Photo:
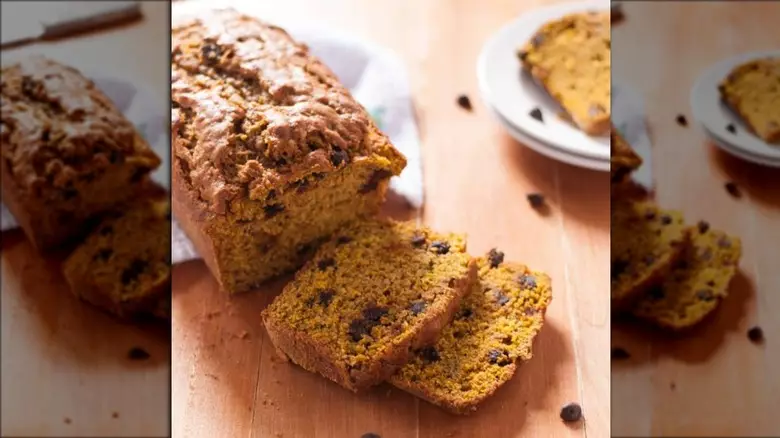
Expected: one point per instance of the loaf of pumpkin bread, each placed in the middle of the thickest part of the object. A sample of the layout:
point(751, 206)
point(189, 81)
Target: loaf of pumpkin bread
point(68, 154)
point(271, 154)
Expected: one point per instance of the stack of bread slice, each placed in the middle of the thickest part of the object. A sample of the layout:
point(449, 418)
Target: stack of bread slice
point(664, 270)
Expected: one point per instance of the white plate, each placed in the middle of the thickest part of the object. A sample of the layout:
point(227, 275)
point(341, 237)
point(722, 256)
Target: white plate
point(739, 152)
point(548, 150)
point(714, 115)
point(513, 94)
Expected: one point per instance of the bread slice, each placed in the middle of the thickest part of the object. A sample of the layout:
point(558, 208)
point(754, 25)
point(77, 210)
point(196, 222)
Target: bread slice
point(752, 90)
point(696, 285)
point(377, 291)
point(493, 330)
point(124, 266)
point(570, 58)
point(646, 242)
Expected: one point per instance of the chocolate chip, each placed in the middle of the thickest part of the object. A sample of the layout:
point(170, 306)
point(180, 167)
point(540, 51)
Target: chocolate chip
point(464, 102)
point(522, 55)
point(711, 283)
point(731, 128)
point(571, 412)
point(537, 40)
point(656, 293)
point(535, 199)
point(325, 297)
point(672, 386)
point(343, 240)
point(429, 354)
point(495, 257)
point(301, 185)
point(440, 247)
point(309, 302)
point(362, 327)
point(326, 263)
point(666, 219)
point(536, 114)
point(616, 13)
point(498, 357)
point(618, 267)
point(210, 52)
point(418, 307)
point(681, 120)
point(69, 193)
point(526, 281)
point(650, 215)
point(501, 297)
point(338, 156)
point(465, 314)
point(506, 340)
point(756, 335)
point(138, 353)
point(131, 273)
point(705, 295)
point(733, 189)
point(418, 240)
point(703, 227)
point(619, 353)
point(273, 210)
point(374, 314)
point(370, 435)
point(374, 180)
point(103, 254)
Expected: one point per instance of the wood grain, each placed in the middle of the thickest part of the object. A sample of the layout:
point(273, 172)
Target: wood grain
point(65, 370)
point(712, 381)
point(226, 378)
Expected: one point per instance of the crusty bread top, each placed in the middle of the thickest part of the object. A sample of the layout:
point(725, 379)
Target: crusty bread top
point(253, 111)
point(57, 127)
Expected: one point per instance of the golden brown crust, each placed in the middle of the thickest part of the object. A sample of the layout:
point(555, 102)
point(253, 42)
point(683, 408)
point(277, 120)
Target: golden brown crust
point(624, 159)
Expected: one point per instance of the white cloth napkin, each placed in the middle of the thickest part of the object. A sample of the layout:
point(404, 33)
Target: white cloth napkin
point(628, 116)
point(376, 77)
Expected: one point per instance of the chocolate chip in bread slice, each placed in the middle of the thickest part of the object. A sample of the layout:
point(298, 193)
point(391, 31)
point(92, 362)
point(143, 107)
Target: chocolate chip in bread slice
point(374, 293)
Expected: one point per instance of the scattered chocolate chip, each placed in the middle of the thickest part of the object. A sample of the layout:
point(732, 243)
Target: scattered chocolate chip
point(526, 281)
point(418, 240)
point(375, 313)
point(115, 415)
point(703, 226)
point(705, 295)
point(495, 257)
point(374, 180)
point(465, 314)
point(451, 282)
point(571, 412)
point(343, 240)
point(464, 102)
point(618, 267)
point(666, 219)
point(711, 283)
point(370, 435)
point(681, 120)
point(672, 386)
point(326, 263)
point(536, 114)
point(733, 189)
point(616, 13)
point(137, 353)
point(498, 357)
point(67, 420)
point(440, 247)
point(273, 210)
point(309, 302)
point(619, 353)
point(69, 193)
point(650, 215)
point(429, 354)
point(506, 340)
point(756, 335)
point(418, 307)
point(338, 156)
point(210, 52)
point(731, 128)
point(103, 254)
point(362, 327)
point(131, 273)
point(522, 55)
point(535, 199)
point(501, 297)
point(325, 297)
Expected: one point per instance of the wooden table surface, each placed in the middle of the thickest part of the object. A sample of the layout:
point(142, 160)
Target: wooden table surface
point(712, 382)
point(65, 370)
point(227, 380)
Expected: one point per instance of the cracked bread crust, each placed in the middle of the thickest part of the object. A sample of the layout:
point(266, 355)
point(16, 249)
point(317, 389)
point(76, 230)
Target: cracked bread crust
point(253, 111)
point(373, 294)
point(271, 154)
point(68, 154)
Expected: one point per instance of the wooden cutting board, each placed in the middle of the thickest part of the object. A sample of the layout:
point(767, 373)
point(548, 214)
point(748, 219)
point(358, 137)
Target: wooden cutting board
point(712, 381)
point(227, 380)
